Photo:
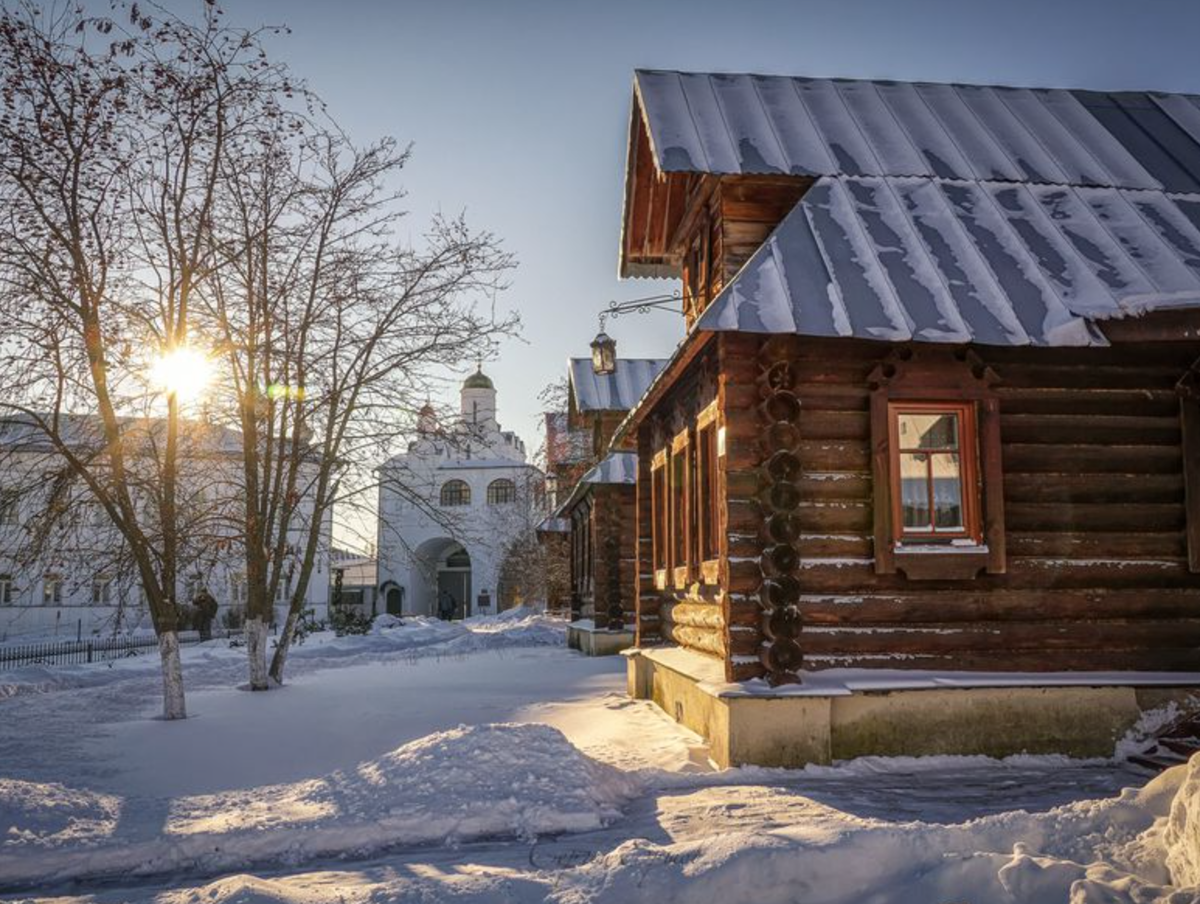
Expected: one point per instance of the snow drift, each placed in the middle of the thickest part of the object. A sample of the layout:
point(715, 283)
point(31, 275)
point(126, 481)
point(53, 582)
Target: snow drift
point(1182, 833)
point(471, 782)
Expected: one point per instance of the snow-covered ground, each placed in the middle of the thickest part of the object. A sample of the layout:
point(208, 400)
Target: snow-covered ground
point(482, 761)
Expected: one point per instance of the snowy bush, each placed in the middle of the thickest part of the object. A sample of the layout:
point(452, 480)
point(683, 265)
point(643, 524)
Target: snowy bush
point(1182, 836)
point(348, 621)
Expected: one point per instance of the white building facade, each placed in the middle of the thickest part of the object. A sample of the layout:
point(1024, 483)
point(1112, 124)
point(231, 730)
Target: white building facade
point(449, 509)
point(80, 584)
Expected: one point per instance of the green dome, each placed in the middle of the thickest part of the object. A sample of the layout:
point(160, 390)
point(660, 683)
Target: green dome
point(478, 380)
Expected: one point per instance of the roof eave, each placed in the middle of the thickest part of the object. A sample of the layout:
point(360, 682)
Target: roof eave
point(687, 350)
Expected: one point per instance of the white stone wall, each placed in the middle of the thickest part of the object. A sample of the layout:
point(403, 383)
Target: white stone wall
point(415, 529)
point(77, 563)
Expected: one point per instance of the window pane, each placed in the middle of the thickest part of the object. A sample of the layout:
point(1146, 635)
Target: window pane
point(914, 490)
point(678, 503)
point(928, 431)
point(947, 492)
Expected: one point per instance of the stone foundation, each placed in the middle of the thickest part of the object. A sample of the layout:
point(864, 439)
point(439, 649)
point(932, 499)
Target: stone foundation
point(592, 641)
point(829, 720)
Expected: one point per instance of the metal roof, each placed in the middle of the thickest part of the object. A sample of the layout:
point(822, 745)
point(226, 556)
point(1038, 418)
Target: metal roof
point(619, 391)
point(997, 263)
point(730, 124)
point(614, 468)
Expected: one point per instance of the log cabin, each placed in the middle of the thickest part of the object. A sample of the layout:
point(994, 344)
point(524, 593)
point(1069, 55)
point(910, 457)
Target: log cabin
point(924, 474)
point(599, 509)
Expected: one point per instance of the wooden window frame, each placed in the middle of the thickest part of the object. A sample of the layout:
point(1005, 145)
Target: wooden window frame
point(922, 377)
point(679, 510)
point(968, 455)
point(708, 543)
point(659, 521)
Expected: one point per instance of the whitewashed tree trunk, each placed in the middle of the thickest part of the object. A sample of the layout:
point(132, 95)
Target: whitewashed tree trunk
point(256, 649)
point(172, 671)
point(279, 659)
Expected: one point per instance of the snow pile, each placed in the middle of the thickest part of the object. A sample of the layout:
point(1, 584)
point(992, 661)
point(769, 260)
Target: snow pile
point(471, 782)
point(519, 626)
point(41, 815)
point(1182, 834)
point(1090, 852)
point(386, 622)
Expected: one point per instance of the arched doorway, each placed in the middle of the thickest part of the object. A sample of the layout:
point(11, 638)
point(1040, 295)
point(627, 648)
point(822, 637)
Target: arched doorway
point(394, 600)
point(454, 582)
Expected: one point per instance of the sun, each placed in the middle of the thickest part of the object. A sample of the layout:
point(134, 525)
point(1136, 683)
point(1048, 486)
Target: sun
point(182, 372)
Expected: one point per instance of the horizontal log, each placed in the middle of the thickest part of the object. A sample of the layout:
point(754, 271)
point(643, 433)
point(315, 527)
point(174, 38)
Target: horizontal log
point(835, 486)
point(835, 545)
point(843, 425)
point(742, 483)
point(1110, 402)
point(1167, 659)
point(850, 576)
point(739, 396)
point(835, 517)
point(744, 671)
point(1157, 354)
point(1033, 458)
point(916, 604)
point(1089, 429)
point(1077, 516)
point(1091, 376)
point(743, 517)
point(833, 396)
point(705, 640)
point(1089, 488)
point(742, 546)
point(1115, 544)
point(1016, 636)
point(834, 455)
point(697, 615)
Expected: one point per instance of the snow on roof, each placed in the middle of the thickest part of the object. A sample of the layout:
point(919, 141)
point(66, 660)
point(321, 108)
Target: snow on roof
point(553, 525)
point(730, 124)
point(23, 433)
point(614, 468)
point(618, 391)
point(995, 263)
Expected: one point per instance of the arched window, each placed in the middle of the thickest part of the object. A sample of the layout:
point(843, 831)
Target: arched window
point(456, 492)
point(501, 492)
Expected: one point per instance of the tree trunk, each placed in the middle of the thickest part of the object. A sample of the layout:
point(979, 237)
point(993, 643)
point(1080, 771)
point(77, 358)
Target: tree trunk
point(172, 670)
point(283, 646)
point(256, 649)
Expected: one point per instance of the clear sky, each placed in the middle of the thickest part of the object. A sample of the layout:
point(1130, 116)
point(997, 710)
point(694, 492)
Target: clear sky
point(518, 110)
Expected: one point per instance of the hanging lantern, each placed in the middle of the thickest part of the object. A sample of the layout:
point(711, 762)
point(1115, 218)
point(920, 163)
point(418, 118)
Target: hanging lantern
point(604, 354)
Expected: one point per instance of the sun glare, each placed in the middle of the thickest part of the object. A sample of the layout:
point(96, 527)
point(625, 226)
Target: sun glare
point(182, 372)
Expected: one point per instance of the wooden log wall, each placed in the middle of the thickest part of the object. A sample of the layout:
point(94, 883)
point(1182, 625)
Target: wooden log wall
point(692, 615)
point(1097, 574)
point(614, 554)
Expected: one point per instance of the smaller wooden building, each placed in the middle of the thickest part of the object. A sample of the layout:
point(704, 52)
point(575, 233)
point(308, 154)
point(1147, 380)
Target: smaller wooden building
point(924, 475)
point(599, 508)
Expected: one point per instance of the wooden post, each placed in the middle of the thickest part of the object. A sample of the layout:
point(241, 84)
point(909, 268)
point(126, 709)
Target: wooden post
point(1189, 421)
point(992, 472)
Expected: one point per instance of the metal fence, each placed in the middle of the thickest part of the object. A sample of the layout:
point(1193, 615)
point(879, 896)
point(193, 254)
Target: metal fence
point(73, 652)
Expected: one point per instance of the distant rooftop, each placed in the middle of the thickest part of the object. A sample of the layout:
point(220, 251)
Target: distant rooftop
point(619, 391)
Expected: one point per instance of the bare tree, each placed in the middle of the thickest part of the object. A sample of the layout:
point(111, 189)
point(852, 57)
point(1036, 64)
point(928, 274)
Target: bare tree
point(330, 331)
point(111, 137)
